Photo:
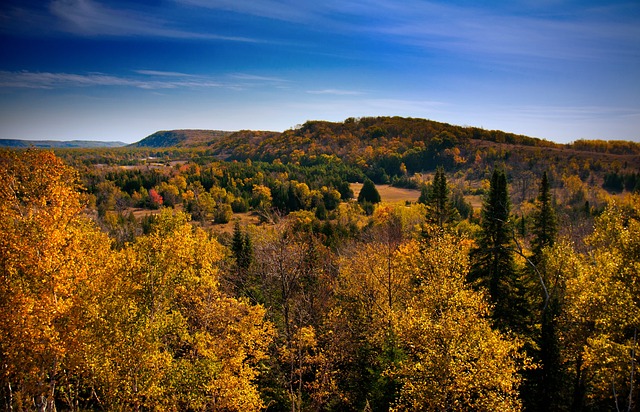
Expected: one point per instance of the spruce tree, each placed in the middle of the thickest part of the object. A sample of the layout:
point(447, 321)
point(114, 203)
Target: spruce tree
point(493, 265)
point(241, 247)
point(544, 233)
point(544, 220)
point(441, 209)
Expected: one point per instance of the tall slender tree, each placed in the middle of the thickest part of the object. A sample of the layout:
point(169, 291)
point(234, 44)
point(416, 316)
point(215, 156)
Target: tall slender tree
point(544, 220)
point(551, 294)
point(493, 265)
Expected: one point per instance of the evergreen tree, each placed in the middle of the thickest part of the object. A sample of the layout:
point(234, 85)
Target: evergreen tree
point(425, 193)
point(493, 263)
point(544, 234)
point(241, 247)
point(369, 193)
point(544, 221)
point(441, 209)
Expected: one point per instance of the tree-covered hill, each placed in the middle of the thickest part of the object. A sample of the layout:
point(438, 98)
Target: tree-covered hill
point(383, 144)
point(180, 138)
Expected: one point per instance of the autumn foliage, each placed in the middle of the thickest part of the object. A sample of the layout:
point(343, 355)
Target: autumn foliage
point(320, 303)
point(86, 326)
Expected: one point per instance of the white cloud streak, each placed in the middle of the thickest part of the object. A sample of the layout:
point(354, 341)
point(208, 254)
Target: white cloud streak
point(90, 18)
point(575, 112)
point(471, 31)
point(47, 80)
point(145, 79)
point(163, 73)
point(336, 92)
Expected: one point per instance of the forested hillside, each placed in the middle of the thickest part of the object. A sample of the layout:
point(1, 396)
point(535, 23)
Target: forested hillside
point(180, 138)
point(251, 272)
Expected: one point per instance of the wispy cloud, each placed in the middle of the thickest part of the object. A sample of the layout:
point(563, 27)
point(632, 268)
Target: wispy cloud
point(525, 29)
point(141, 79)
point(48, 80)
point(253, 77)
point(163, 73)
point(575, 112)
point(90, 18)
point(473, 31)
point(336, 92)
point(285, 10)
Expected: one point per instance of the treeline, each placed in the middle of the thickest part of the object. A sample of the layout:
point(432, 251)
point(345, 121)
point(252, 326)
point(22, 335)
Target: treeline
point(607, 146)
point(411, 307)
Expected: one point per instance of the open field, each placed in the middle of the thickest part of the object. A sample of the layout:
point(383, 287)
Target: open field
point(392, 194)
point(389, 193)
point(475, 200)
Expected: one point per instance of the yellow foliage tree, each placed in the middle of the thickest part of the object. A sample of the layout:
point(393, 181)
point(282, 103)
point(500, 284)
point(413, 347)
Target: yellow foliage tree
point(49, 256)
point(145, 327)
point(599, 326)
point(453, 359)
point(170, 340)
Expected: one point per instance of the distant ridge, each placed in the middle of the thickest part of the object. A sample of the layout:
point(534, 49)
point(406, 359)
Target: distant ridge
point(55, 144)
point(180, 138)
point(349, 139)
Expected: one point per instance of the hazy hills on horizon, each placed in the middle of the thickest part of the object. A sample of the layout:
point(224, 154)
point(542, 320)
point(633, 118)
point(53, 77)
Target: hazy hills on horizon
point(58, 144)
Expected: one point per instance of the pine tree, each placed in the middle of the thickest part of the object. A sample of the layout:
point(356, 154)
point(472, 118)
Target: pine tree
point(241, 247)
point(493, 263)
point(544, 220)
point(544, 234)
point(441, 209)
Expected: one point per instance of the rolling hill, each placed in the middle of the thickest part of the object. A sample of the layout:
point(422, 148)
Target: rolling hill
point(55, 144)
point(180, 138)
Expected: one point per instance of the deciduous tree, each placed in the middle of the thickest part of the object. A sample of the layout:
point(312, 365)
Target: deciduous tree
point(454, 359)
point(49, 257)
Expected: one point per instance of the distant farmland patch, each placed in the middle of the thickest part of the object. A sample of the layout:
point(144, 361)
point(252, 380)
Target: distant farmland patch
point(389, 193)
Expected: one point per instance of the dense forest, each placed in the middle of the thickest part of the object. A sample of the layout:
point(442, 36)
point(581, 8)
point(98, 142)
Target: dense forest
point(266, 271)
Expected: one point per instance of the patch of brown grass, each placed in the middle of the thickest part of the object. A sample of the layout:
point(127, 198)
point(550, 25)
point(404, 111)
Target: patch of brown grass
point(390, 194)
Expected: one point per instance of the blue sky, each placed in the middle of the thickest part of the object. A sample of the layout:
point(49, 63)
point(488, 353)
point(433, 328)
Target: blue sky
point(98, 70)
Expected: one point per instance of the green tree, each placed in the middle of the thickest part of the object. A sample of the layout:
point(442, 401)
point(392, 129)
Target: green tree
point(544, 220)
point(493, 264)
point(368, 193)
point(241, 247)
point(440, 208)
point(551, 298)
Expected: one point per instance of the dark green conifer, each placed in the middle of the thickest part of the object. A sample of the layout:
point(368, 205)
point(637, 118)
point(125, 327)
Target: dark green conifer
point(440, 207)
point(544, 220)
point(368, 193)
point(493, 265)
point(241, 247)
point(544, 234)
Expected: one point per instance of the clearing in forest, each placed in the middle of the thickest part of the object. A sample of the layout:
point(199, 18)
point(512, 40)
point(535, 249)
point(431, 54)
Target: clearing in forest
point(389, 193)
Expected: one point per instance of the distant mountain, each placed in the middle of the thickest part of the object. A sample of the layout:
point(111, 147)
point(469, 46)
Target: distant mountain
point(55, 144)
point(180, 138)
